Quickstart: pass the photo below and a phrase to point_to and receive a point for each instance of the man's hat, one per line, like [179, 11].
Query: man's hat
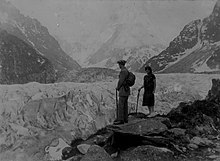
[122, 62]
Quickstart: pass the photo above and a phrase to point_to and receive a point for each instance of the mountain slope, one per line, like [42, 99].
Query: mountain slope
[124, 44]
[135, 57]
[31, 31]
[20, 63]
[86, 24]
[130, 29]
[195, 49]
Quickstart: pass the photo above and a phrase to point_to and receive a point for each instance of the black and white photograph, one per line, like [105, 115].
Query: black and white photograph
[109, 80]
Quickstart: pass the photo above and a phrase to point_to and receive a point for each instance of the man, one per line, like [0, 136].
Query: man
[124, 92]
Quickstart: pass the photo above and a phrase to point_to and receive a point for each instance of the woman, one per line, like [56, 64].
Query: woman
[149, 86]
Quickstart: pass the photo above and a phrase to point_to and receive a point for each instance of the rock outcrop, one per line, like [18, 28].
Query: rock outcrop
[96, 153]
[201, 116]
[214, 92]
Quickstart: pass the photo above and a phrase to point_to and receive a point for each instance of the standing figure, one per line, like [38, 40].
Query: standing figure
[124, 92]
[149, 86]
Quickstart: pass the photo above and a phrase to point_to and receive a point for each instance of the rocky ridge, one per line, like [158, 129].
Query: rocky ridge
[195, 49]
[33, 33]
[20, 63]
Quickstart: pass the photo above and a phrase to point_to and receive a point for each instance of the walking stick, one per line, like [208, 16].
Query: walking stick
[137, 101]
[116, 104]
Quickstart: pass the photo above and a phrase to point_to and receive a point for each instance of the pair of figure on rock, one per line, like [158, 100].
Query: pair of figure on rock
[149, 86]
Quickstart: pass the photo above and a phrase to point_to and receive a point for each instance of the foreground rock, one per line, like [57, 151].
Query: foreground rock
[201, 116]
[148, 153]
[96, 153]
[189, 132]
[193, 132]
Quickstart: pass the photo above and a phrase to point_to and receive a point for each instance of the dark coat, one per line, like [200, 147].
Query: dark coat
[149, 87]
[121, 87]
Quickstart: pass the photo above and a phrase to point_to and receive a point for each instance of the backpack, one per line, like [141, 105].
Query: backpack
[130, 81]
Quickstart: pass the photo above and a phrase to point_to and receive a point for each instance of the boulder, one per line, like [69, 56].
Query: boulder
[148, 153]
[141, 127]
[96, 153]
[201, 141]
[177, 131]
[83, 148]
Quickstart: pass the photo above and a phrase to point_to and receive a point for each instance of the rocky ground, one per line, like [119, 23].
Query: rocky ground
[189, 132]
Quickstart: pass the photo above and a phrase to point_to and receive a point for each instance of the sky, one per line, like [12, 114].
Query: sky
[90, 22]
[67, 17]
[170, 17]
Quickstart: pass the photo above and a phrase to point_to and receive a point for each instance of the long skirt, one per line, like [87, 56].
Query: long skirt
[148, 99]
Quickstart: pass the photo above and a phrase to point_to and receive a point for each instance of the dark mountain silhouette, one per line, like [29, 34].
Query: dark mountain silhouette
[20, 63]
[32, 32]
[196, 49]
